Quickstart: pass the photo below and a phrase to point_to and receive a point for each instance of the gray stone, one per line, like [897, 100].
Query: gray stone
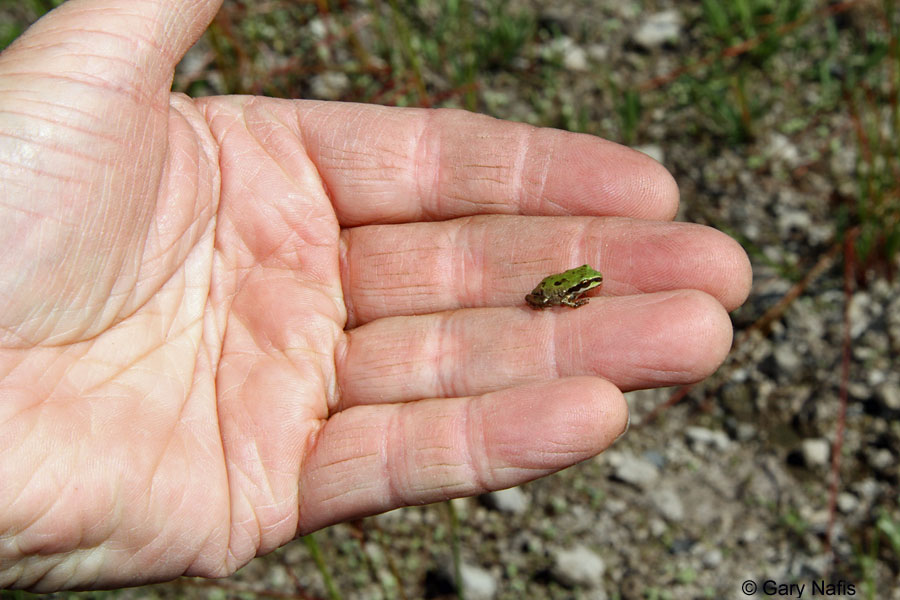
[655, 458]
[881, 459]
[792, 220]
[615, 506]
[667, 503]
[595, 593]
[859, 390]
[780, 147]
[598, 52]
[867, 489]
[787, 359]
[578, 566]
[862, 311]
[658, 527]
[888, 393]
[633, 470]
[749, 536]
[712, 558]
[746, 432]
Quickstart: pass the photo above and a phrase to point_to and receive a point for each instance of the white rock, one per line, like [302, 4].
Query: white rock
[564, 48]
[317, 28]
[847, 502]
[701, 436]
[461, 505]
[792, 219]
[654, 151]
[815, 452]
[512, 501]
[330, 85]
[658, 29]
[889, 394]
[478, 583]
[578, 566]
[862, 311]
[575, 58]
[876, 377]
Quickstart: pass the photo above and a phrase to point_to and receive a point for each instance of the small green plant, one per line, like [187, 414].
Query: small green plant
[872, 96]
[457, 40]
[794, 522]
[9, 32]
[744, 36]
[39, 7]
[868, 561]
[890, 528]
[313, 546]
[629, 109]
[737, 21]
[455, 549]
[11, 28]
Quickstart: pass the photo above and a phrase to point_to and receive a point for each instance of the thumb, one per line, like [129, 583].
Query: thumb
[85, 123]
[130, 45]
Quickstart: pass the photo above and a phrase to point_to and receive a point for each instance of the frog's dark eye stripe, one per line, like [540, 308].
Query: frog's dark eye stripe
[585, 284]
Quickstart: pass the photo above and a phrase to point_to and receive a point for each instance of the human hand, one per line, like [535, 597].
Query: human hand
[232, 320]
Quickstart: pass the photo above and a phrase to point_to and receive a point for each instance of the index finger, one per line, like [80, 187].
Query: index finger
[396, 165]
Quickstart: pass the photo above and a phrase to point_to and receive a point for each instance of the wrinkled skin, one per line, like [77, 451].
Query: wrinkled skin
[229, 321]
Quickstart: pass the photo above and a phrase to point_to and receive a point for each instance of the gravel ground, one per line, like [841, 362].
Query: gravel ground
[732, 484]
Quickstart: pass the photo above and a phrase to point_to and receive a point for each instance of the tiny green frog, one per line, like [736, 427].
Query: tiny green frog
[564, 288]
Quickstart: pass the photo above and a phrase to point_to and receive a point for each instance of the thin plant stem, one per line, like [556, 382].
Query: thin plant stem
[317, 557]
[454, 545]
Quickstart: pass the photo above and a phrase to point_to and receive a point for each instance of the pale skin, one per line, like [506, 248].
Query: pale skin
[229, 321]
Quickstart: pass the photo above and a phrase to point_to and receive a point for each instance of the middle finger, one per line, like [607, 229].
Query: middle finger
[422, 268]
[646, 340]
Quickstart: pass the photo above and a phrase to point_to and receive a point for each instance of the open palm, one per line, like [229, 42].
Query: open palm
[228, 321]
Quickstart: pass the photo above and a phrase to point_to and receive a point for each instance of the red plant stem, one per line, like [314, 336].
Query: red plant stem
[838, 444]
